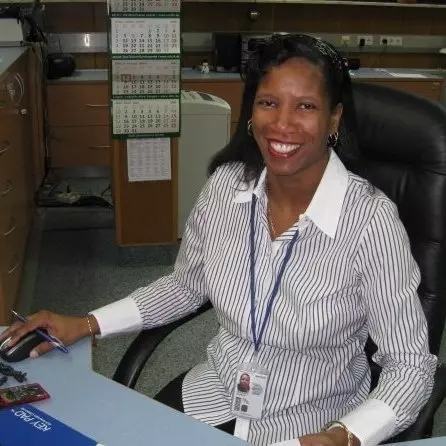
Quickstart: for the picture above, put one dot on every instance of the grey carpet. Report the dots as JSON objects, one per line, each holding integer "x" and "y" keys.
{"x": 81, "y": 268}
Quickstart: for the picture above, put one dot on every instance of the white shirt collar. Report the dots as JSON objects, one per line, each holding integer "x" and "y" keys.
{"x": 325, "y": 207}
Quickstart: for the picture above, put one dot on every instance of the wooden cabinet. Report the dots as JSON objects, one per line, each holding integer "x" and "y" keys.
{"x": 79, "y": 118}
{"x": 146, "y": 212}
{"x": 80, "y": 146}
{"x": 16, "y": 182}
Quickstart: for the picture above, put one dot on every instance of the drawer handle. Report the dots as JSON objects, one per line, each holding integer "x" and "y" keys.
{"x": 97, "y": 105}
{"x": 7, "y": 190}
{"x": 100, "y": 147}
{"x": 13, "y": 268}
{"x": 5, "y": 147}
{"x": 11, "y": 229}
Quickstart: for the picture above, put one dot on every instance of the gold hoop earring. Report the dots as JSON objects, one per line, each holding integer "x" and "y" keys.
{"x": 333, "y": 139}
{"x": 249, "y": 128}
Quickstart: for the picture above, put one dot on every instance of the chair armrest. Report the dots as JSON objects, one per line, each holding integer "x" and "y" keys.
{"x": 139, "y": 351}
{"x": 422, "y": 428}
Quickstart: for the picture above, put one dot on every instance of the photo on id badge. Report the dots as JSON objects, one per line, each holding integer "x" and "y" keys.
{"x": 248, "y": 395}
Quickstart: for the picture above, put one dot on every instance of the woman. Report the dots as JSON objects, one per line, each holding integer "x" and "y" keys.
{"x": 302, "y": 260}
{"x": 244, "y": 383}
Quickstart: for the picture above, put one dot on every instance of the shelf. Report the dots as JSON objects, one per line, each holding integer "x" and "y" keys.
{"x": 303, "y": 2}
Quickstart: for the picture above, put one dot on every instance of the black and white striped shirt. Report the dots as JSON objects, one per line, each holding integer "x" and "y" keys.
{"x": 351, "y": 275}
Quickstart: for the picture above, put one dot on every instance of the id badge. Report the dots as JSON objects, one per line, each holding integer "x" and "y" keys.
{"x": 249, "y": 391}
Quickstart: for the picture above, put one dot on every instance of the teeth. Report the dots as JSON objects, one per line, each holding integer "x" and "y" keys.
{"x": 284, "y": 148}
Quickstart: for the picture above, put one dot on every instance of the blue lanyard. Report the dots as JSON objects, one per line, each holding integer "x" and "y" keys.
{"x": 258, "y": 339}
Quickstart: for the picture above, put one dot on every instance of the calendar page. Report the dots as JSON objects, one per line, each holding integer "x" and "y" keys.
{"x": 145, "y": 46}
{"x": 130, "y": 6}
{"x": 151, "y": 117}
{"x": 151, "y": 35}
{"x": 145, "y": 77}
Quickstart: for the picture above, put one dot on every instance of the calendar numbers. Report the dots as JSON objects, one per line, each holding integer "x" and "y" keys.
{"x": 145, "y": 36}
{"x": 149, "y": 116}
{"x": 145, "y": 46}
{"x": 130, "y": 6}
{"x": 136, "y": 77}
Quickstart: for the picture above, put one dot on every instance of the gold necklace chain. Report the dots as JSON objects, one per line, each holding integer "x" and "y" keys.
{"x": 270, "y": 221}
{"x": 269, "y": 215}
{"x": 272, "y": 229}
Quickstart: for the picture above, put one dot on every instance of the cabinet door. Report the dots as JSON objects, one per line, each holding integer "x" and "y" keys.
{"x": 75, "y": 105}
{"x": 146, "y": 212}
{"x": 80, "y": 146}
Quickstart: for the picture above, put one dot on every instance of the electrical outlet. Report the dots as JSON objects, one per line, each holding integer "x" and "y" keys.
{"x": 391, "y": 41}
{"x": 396, "y": 41}
{"x": 345, "y": 40}
{"x": 368, "y": 40}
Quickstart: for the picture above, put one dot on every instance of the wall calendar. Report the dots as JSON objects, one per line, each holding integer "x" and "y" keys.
{"x": 145, "y": 68}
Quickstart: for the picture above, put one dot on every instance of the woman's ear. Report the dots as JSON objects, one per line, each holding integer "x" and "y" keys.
{"x": 335, "y": 118}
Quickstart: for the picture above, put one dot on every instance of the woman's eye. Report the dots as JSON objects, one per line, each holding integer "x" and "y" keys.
{"x": 306, "y": 106}
{"x": 265, "y": 103}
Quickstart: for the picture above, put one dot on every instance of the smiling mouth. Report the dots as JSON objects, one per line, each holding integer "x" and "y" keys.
{"x": 282, "y": 150}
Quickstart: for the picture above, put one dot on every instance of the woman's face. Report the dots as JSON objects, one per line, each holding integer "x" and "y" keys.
{"x": 291, "y": 118}
{"x": 244, "y": 381}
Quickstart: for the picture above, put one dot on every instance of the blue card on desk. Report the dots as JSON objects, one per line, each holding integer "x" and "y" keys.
{"x": 25, "y": 425}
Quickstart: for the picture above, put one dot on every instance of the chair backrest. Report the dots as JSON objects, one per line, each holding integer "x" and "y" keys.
{"x": 402, "y": 142}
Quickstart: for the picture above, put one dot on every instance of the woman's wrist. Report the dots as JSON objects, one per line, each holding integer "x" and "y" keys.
{"x": 340, "y": 436}
{"x": 89, "y": 326}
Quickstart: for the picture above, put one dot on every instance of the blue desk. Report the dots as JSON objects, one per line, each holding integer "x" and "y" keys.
{"x": 110, "y": 413}
{"x": 115, "y": 415}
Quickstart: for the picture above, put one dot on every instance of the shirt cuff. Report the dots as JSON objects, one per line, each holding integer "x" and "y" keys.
{"x": 372, "y": 422}
{"x": 122, "y": 316}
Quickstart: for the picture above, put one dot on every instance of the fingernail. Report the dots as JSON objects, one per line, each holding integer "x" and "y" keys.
{"x": 33, "y": 354}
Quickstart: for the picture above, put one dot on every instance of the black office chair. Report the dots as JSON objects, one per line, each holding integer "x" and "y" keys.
{"x": 402, "y": 142}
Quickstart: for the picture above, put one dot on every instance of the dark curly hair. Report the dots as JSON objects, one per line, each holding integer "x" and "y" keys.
{"x": 275, "y": 51}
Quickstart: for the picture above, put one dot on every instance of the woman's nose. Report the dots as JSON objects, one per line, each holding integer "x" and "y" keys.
{"x": 283, "y": 119}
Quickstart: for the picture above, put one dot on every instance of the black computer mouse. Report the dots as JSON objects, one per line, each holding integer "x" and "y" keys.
{"x": 22, "y": 349}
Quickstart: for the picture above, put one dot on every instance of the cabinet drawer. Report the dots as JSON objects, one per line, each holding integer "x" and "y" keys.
{"x": 78, "y": 105}
{"x": 12, "y": 243}
{"x": 10, "y": 283}
{"x": 80, "y": 146}
{"x": 11, "y": 132}
{"x": 13, "y": 209}
{"x": 10, "y": 158}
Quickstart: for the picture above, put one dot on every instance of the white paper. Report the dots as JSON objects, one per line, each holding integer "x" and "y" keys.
{"x": 293, "y": 442}
{"x": 148, "y": 159}
{"x": 408, "y": 75}
{"x": 241, "y": 429}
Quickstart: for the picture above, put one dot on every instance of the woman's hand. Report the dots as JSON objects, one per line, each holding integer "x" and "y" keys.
{"x": 333, "y": 437}
{"x": 69, "y": 329}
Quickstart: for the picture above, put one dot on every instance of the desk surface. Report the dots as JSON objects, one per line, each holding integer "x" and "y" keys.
{"x": 110, "y": 413}
{"x": 8, "y": 55}
{"x": 115, "y": 415}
